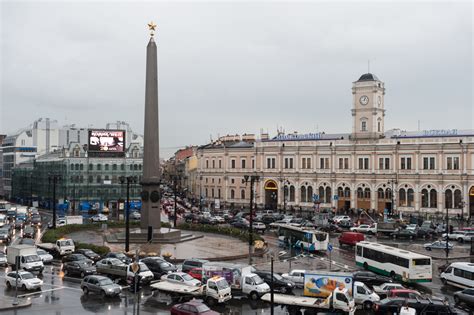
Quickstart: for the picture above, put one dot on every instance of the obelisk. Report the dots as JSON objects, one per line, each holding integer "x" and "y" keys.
{"x": 151, "y": 213}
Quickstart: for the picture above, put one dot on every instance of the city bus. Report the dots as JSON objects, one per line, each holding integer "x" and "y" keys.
{"x": 397, "y": 263}
{"x": 310, "y": 239}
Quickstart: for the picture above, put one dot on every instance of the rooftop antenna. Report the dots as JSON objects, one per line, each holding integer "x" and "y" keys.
{"x": 368, "y": 66}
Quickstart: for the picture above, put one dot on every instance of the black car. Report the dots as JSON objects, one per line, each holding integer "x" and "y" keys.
{"x": 331, "y": 228}
{"x": 29, "y": 232}
{"x": 189, "y": 264}
{"x": 19, "y": 224}
{"x": 120, "y": 256}
{"x": 422, "y": 306}
{"x": 240, "y": 224}
{"x": 36, "y": 219}
{"x": 78, "y": 268}
{"x": 206, "y": 220}
{"x": 267, "y": 219}
{"x": 370, "y": 278}
{"x": 76, "y": 257}
{"x": 158, "y": 266}
{"x": 404, "y": 233}
{"x": 280, "y": 284}
{"x": 89, "y": 253}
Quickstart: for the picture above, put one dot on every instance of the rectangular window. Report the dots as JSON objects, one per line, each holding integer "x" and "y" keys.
{"x": 321, "y": 163}
{"x": 428, "y": 163}
{"x": 346, "y": 163}
{"x": 207, "y": 163}
{"x": 363, "y": 163}
{"x": 455, "y": 163}
{"x": 366, "y": 163}
{"x": 220, "y": 163}
{"x": 213, "y": 163}
{"x": 242, "y": 162}
{"x": 303, "y": 163}
{"x": 381, "y": 164}
{"x": 271, "y": 162}
{"x": 324, "y": 163}
{"x": 288, "y": 162}
{"x": 408, "y": 163}
{"x": 449, "y": 163}
{"x": 452, "y": 163}
{"x": 232, "y": 163}
{"x": 253, "y": 163}
{"x": 432, "y": 163}
{"x": 405, "y": 163}
{"x": 341, "y": 163}
{"x": 308, "y": 163}
{"x": 387, "y": 163}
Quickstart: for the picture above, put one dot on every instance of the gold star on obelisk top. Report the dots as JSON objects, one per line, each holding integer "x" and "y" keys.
{"x": 152, "y": 27}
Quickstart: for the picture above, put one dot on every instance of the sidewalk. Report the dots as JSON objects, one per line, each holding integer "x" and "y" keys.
{"x": 6, "y": 303}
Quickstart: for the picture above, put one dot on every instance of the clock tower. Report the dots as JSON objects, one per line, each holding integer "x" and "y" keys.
{"x": 368, "y": 107}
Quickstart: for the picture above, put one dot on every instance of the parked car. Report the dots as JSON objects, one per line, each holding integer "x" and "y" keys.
{"x": 89, "y": 253}
{"x": 370, "y": 278}
{"x": 3, "y": 259}
{"x": 26, "y": 280}
{"x": 76, "y": 257}
{"x": 383, "y": 289}
{"x": 438, "y": 245}
{"x": 404, "y": 293}
{"x": 330, "y": 228}
{"x": 421, "y": 306}
{"x": 350, "y": 238}
{"x": 280, "y": 284}
{"x": 191, "y": 263}
{"x": 404, "y": 233}
{"x": 193, "y": 307}
{"x": 99, "y": 218}
{"x": 259, "y": 227}
{"x": 46, "y": 257}
{"x": 135, "y": 215}
{"x": 158, "y": 266}
{"x": 78, "y": 268}
{"x": 465, "y": 296}
{"x": 120, "y": 256}
{"x": 345, "y": 224}
{"x": 339, "y": 218}
{"x": 218, "y": 219}
{"x": 365, "y": 228}
{"x": 296, "y": 276}
{"x": 240, "y": 223}
{"x": 100, "y": 285}
{"x": 182, "y": 278}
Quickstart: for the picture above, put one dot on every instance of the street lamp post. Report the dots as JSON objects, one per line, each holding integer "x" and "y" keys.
{"x": 391, "y": 182}
{"x": 128, "y": 180}
{"x": 447, "y": 235}
{"x": 253, "y": 179}
{"x": 462, "y": 203}
{"x": 175, "y": 190}
{"x": 54, "y": 178}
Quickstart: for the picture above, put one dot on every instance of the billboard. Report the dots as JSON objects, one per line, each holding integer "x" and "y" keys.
{"x": 106, "y": 141}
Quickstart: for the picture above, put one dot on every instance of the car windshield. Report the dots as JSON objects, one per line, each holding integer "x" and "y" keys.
{"x": 222, "y": 284}
{"x": 65, "y": 243}
{"x": 143, "y": 267}
{"x": 187, "y": 277}
{"x": 41, "y": 252}
{"x": 27, "y": 276}
{"x": 32, "y": 258}
{"x": 257, "y": 280}
{"x": 103, "y": 282}
{"x": 165, "y": 265}
{"x": 277, "y": 276}
{"x": 202, "y": 308}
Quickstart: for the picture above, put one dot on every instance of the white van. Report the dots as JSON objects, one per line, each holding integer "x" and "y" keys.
{"x": 459, "y": 274}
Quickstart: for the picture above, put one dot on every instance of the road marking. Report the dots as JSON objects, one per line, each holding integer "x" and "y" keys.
{"x": 39, "y": 292}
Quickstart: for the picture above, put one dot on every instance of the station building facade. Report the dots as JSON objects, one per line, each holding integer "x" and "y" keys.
{"x": 423, "y": 172}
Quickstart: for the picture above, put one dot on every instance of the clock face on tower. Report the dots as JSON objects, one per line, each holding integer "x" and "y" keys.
{"x": 364, "y": 100}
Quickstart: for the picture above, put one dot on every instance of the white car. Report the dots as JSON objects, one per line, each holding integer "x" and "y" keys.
{"x": 99, "y": 218}
{"x": 460, "y": 236}
{"x": 26, "y": 280}
{"x": 218, "y": 219}
{"x": 412, "y": 227}
{"x": 181, "y": 277}
{"x": 365, "y": 228}
{"x": 339, "y": 218}
{"x": 297, "y": 276}
{"x": 135, "y": 215}
{"x": 46, "y": 257}
{"x": 259, "y": 226}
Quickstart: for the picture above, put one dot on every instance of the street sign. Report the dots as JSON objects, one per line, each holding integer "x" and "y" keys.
{"x": 315, "y": 197}
{"x": 335, "y": 197}
{"x": 329, "y": 247}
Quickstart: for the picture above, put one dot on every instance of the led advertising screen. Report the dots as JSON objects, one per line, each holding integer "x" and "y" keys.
{"x": 112, "y": 141}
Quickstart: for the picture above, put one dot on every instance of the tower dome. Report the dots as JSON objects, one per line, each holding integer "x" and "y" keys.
{"x": 368, "y": 77}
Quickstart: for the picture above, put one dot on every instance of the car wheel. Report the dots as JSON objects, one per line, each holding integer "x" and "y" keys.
{"x": 370, "y": 233}
{"x": 456, "y": 300}
{"x": 428, "y": 248}
{"x": 253, "y": 296}
{"x": 9, "y": 285}
{"x": 460, "y": 240}
{"x": 85, "y": 290}
{"x": 284, "y": 290}
{"x": 445, "y": 282}
{"x": 102, "y": 294}
{"x": 366, "y": 266}
{"x": 367, "y": 305}
{"x": 23, "y": 287}
{"x": 393, "y": 275}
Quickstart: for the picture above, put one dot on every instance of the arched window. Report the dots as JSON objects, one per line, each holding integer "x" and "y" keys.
{"x": 303, "y": 194}
{"x": 424, "y": 198}
{"x": 340, "y": 192}
{"x": 81, "y": 167}
{"x": 448, "y": 199}
{"x": 242, "y": 194}
{"x": 347, "y": 192}
{"x": 309, "y": 193}
{"x": 457, "y": 199}
{"x": 388, "y": 193}
{"x": 410, "y": 197}
{"x": 135, "y": 167}
{"x": 433, "y": 198}
{"x": 232, "y": 194}
{"x": 72, "y": 169}
{"x": 219, "y": 193}
{"x": 328, "y": 194}
{"x": 380, "y": 194}
{"x": 360, "y": 193}
{"x": 402, "y": 197}
{"x": 106, "y": 167}
{"x": 321, "y": 193}
{"x": 99, "y": 179}
{"x": 77, "y": 167}
{"x": 206, "y": 193}
{"x": 99, "y": 167}
{"x": 212, "y": 192}
{"x": 367, "y": 193}
{"x": 292, "y": 193}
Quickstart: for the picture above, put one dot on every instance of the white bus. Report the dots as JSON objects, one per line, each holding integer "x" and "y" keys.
{"x": 397, "y": 263}
{"x": 459, "y": 274}
{"x": 311, "y": 239}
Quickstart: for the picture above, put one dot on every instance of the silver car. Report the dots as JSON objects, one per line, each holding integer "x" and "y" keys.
{"x": 100, "y": 285}
{"x": 465, "y": 296}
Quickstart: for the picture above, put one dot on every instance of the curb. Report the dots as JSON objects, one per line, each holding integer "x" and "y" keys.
{"x": 14, "y": 307}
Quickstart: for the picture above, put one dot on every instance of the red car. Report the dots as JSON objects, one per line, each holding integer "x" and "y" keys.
{"x": 350, "y": 238}
{"x": 196, "y": 273}
{"x": 192, "y": 307}
{"x": 405, "y": 293}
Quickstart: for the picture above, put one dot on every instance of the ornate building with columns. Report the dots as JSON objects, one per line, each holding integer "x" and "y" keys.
{"x": 421, "y": 172}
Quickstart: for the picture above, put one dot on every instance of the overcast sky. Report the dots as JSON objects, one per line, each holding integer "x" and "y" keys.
{"x": 235, "y": 67}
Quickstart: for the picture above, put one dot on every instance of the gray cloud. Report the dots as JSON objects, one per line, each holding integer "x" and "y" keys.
{"x": 231, "y": 67}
